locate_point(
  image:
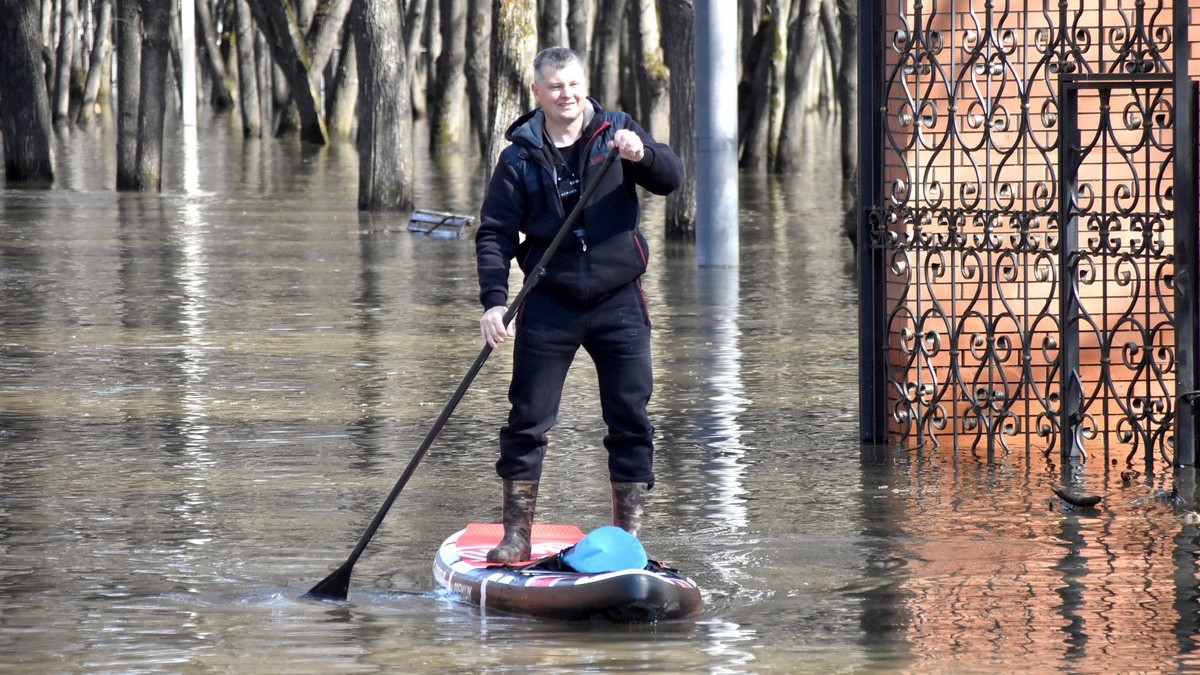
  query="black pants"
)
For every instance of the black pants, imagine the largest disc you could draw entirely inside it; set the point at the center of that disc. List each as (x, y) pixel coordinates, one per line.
(616, 334)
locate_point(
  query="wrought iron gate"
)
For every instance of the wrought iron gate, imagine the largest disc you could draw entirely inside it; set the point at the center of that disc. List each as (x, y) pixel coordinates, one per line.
(1117, 262)
(1028, 262)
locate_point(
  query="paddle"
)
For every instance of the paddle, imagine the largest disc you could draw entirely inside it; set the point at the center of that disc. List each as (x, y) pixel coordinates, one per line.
(336, 585)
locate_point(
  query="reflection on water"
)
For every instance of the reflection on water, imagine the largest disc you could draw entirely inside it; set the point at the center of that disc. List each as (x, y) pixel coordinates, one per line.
(205, 395)
(720, 361)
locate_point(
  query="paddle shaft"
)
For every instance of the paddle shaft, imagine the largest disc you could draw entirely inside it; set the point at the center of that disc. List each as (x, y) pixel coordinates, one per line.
(336, 584)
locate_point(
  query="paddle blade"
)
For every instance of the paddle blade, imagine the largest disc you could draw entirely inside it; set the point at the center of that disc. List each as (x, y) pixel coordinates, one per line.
(333, 587)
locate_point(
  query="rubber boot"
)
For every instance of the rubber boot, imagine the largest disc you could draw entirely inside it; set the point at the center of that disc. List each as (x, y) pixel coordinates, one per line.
(520, 500)
(629, 501)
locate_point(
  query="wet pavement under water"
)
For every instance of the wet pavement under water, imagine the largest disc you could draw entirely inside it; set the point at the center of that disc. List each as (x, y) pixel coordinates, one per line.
(206, 394)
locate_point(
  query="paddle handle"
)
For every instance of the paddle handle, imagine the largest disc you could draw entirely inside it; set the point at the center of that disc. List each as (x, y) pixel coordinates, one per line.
(531, 280)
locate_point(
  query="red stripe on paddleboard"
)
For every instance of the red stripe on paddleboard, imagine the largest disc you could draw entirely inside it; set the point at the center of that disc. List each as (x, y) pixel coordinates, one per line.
(489, 534)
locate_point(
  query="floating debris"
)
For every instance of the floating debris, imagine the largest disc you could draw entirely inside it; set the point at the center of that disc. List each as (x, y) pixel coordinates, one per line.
(449, 225)
(1127, 477)
(1085, 501)
(1169, 496)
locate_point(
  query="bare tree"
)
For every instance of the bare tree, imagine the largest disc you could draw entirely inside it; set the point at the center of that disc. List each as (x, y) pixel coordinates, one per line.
(129, 78)
(448, 123)
(579, 24)
(748, 18)
(152, 98)
(423, 65)
(68, 37)
(479, 36)
(265, 76)
(278, 22)
(385, 181)
(549, 23)
(324, 32)
(248, 82)
(175, 48)
(24, 104)
(605, 76)
(847, 90)
(755, 91)
(514, 42)
(803, 38)
(414, 31)
(50, 23)
(779, 66)
(211, 58)
(99, 65)
(653, 78)
(680, 54)
(344, 98)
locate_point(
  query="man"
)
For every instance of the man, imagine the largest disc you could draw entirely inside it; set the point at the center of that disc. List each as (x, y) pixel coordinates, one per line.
(591, 295)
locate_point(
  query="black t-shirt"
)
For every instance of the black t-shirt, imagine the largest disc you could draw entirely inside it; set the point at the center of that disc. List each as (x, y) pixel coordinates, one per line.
(568, 174)
(571, 154)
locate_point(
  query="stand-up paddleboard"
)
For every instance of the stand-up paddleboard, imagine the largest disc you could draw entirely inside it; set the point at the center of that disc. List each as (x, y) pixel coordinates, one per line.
(545, 587)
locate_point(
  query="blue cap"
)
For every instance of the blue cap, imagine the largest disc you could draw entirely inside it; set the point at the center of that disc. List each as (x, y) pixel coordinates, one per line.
(607, 549)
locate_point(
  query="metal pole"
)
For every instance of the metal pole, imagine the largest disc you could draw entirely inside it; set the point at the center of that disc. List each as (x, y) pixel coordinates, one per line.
(716, 134)
(872, 297)
(1187, 243)
(1071, 388)
(564, 7)
(187, 59)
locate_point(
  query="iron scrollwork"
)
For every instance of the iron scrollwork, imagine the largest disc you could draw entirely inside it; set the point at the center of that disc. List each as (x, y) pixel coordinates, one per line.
(969, 226)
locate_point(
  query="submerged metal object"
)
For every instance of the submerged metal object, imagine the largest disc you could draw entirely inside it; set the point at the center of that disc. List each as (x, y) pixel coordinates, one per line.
(439, 224)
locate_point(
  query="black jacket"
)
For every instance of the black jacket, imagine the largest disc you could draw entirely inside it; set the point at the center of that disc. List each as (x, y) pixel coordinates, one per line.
(522, 198)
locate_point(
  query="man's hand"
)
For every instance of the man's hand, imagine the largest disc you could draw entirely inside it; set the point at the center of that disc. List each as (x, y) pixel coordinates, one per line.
(491, 325)
(629, 145)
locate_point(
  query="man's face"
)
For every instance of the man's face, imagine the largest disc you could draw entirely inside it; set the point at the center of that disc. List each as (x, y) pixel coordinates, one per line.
(561, 94)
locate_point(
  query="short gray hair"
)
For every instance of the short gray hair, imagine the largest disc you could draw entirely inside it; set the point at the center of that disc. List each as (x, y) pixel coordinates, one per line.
(554, 59)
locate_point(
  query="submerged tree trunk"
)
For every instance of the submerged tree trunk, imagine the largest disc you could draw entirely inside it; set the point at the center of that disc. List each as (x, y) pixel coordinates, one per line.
(550, 24)
(24, 103)
(802, 46)
(213, 61)
(414, 28)
(265, 75)
(514, 41)
(343, 100)
(248, 82)
(67, 38)
(423, 62)
(831, 58)
(579, 25)
(755, 89)
(479, 35)
(152, 106)
(779, 66)
(99, 63)
(49, 33)
(129, 78)
(847, 88)
(174, 49)
(653, 76)
(680, 55)
(324, 34)
(278, 23)
(448, 123)
(385, 181)
(605, 77)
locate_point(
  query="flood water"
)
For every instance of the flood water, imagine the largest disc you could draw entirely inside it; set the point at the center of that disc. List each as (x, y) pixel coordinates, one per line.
(206, 394)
